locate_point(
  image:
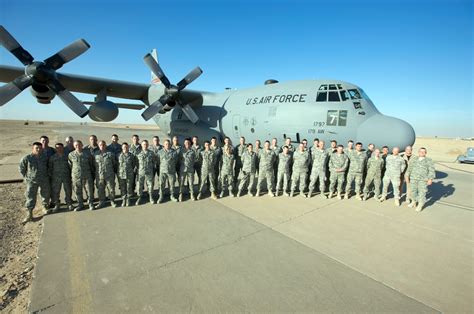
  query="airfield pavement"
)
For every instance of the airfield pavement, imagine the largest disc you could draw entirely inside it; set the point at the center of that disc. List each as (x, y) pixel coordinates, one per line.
(240, 254)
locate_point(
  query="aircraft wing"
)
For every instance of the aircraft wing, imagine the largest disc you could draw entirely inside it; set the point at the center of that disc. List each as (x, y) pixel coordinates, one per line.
(88, 84)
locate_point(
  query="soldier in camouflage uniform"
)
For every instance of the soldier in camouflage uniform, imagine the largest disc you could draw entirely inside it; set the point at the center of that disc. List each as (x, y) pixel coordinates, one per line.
(186, 172)
(332, 148)
(338, 163)
(247, 173)
(305, 144)
(167, 161)
(276, 151)
(82, 168)
(375, 165)
(135, 148)
(34, 170)
(265, 171)
(420, 175)
(257, 148)
(318, 170)
(105, 164)
(370, 150)
(46, 149)
(407, 154)
(357, 161)
(147, 163)
(291, 148)
(214, 147)
(177, 147)
(60, 174)
(114, 147)
(197, 148)
(127, 163)
(284, 171)
(301, 161)
(315, 147)
(227, 171)
(239, 150)
(394, 167)
(69, 145)
(155, 148)
(92, 149)
(207, 171)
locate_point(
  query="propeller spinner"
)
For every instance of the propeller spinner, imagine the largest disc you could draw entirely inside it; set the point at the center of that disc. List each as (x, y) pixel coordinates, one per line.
(42, 73)
(171, 91)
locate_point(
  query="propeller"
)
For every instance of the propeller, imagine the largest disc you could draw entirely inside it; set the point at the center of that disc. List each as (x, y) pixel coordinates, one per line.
(42, 73)
(171, 91)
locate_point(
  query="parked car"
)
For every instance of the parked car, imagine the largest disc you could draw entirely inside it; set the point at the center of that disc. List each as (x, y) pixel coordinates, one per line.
(468, 157)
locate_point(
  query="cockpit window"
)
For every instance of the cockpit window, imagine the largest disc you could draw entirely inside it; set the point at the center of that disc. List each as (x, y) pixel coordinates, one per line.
(344, 95)
(339, 86)
(323, 87)
(334, 96)
(332, 87)
(322, 96)
(354, 93)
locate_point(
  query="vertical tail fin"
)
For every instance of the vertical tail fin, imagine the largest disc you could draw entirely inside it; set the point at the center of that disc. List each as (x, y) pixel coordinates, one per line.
(154, 78)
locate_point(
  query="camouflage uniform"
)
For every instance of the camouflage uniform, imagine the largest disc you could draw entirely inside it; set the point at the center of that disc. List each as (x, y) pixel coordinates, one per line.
(105, 166)
(167, 162)
(92, 151)
(227, 173)
(239, 150)
(407, 159)
(177, 149)
(47, 153)
(276, 150)
(156, 150)
(135, 149)
(374, 174)
(420, 170)
(147, 163)
(60, 174)
(318, 170)
(207, 170)
(247, 174)
(337, 161)
(283, 173)
(357, 162)
(265, 173)
(81, 174)
(35, 172)
(300, 170)
(197, 165)
(217, 152)
(186, 171)
(126, 173)
(394, 167)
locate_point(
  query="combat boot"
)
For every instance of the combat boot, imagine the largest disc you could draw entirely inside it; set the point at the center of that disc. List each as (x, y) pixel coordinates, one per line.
(365, 197)
(397, 202)
(322, 195)
(56, 208)
(101, 204)
(303, 195)
(339, 196)
(174, 199)
(358, 197)
(382, 198)
(419, 208)
(152, 201)
(286, 194)
(124, 202)
(138, 202)
(70, 207)
(346, 197)
(213, 195)
(411, 204)
(239, 193)
(79, 207)
(91, 206)
(180, 197)
(270, 193)
(199, 196)
(191, 197)
(310, 193)
(330, 195)
(258, 193)
(160, 199)
(113, 204)
(292, 194)
(29, 216)
(222, 194)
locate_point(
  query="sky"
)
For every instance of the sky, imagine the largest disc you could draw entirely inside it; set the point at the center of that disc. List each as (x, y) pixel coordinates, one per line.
(413, 58)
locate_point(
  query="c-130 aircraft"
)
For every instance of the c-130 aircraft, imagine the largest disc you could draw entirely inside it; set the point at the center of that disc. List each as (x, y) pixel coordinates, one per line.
(324, 109)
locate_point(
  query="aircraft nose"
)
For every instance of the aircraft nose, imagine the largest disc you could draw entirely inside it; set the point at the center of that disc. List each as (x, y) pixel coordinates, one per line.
(384, 130)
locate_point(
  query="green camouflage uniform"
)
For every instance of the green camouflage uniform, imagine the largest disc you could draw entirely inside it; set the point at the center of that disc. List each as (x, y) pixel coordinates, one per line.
(186, 172)
(208, 170)
(420, 170)
(357, 162)
(318, 170)
(35, 172)
(105, 166)
(284, 171)
(60, 174)
(337, 161)
(374, 174)
(167, 161)
(247, 173)
(147, 163)
(265, 172)
(81, 175)
(394, 167)
(300, 170)
(227, 172)
(126, 173)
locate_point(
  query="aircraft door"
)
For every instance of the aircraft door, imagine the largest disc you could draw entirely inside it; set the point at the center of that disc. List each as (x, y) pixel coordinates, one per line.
(236, 125)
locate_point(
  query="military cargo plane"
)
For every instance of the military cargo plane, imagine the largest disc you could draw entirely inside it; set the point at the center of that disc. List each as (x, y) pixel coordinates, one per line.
(324, 109)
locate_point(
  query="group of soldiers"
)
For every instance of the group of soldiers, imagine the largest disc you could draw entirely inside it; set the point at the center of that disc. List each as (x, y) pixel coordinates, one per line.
(228, 169)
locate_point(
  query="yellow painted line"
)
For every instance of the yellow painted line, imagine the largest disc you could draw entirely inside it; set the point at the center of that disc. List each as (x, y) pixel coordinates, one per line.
(80, 288)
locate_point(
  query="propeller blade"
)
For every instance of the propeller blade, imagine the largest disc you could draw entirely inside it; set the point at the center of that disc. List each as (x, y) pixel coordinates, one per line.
(10, 43)
(189, 112)
(67, 54)
(152, 110)
(69, 99)
(12, 89)
(194, 74)
(156, 69)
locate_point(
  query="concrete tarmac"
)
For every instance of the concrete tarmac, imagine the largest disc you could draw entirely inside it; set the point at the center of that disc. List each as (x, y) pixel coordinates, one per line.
(261, 254)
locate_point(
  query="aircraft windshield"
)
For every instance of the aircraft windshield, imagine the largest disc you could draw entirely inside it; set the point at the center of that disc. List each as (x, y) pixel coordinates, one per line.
(354, 93)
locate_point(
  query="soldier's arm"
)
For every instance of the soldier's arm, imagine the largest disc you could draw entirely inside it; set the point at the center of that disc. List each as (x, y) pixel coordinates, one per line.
(50, 167)
(346, 163)
(431, 172)
(409, 170)
(23, 167)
